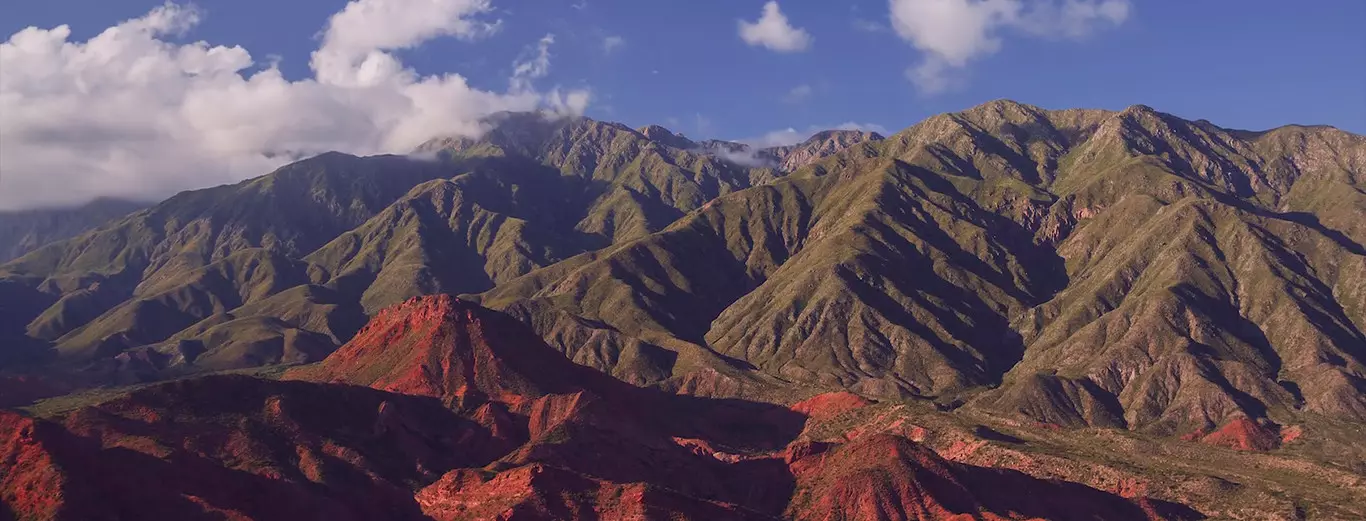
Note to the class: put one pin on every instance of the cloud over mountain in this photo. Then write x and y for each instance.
(132, 113)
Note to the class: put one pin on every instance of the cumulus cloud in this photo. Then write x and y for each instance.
(950, 33)
(128, 113)
(774, 32)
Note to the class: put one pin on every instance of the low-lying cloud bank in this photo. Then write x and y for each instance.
(129, 114)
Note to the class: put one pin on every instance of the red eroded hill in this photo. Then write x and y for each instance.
(445, 348)
(887, 477)
(234, 447)
(1243, 433)
(473, 417)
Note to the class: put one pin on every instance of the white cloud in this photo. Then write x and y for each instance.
(950, 33)
(773, 31)
(611, 43)
(534, 67)
(356, 41)
(129, 114)
(798, 94)
(752, 153)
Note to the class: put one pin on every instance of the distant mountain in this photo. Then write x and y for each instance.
(199, 255)
(283, 268)
(787, 158)
(819, 146)
(24, 231)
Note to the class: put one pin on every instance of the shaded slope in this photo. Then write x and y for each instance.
(149, 275)
(24, 231)
(1198, 291)
(368, 231)
(239, 448)
(1176, 265)
(887, 477)
(779, 274)
(637, 185)
(164, 307)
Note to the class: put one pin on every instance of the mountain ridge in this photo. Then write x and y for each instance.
(1152, 317)
(960, 254)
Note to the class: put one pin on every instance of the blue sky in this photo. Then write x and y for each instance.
(1251, 64)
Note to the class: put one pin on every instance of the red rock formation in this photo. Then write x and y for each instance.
(829, 405)
(886, 477)
(27, 473)
(237, 448)
(445, 348)
(494, 425)
(540, 492)
(1243, 433)
(1291, 434)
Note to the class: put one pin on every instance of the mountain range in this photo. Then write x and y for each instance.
(1145, 316)
(24, 231)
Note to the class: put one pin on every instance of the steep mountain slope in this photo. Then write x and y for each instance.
(24, 231)
(496, 426)
(1078, 268)
(817, 147)
(640, 185)
(1199, 292)
(282, 268)
(794, 259)
(159, 270)
(1112, 269)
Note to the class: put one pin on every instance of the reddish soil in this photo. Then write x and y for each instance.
(1243, 433)
(1291, 434)
(829, 405)
(883, 477)
(443, 410)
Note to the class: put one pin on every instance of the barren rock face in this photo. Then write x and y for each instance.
(820, 146)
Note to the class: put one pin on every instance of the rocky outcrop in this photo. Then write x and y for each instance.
(820, 146)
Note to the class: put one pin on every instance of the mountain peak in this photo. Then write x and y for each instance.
(447, 348)
(821, 145)
(666, 137)
(1002, 104)
(1140, 109)
(847, 135)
